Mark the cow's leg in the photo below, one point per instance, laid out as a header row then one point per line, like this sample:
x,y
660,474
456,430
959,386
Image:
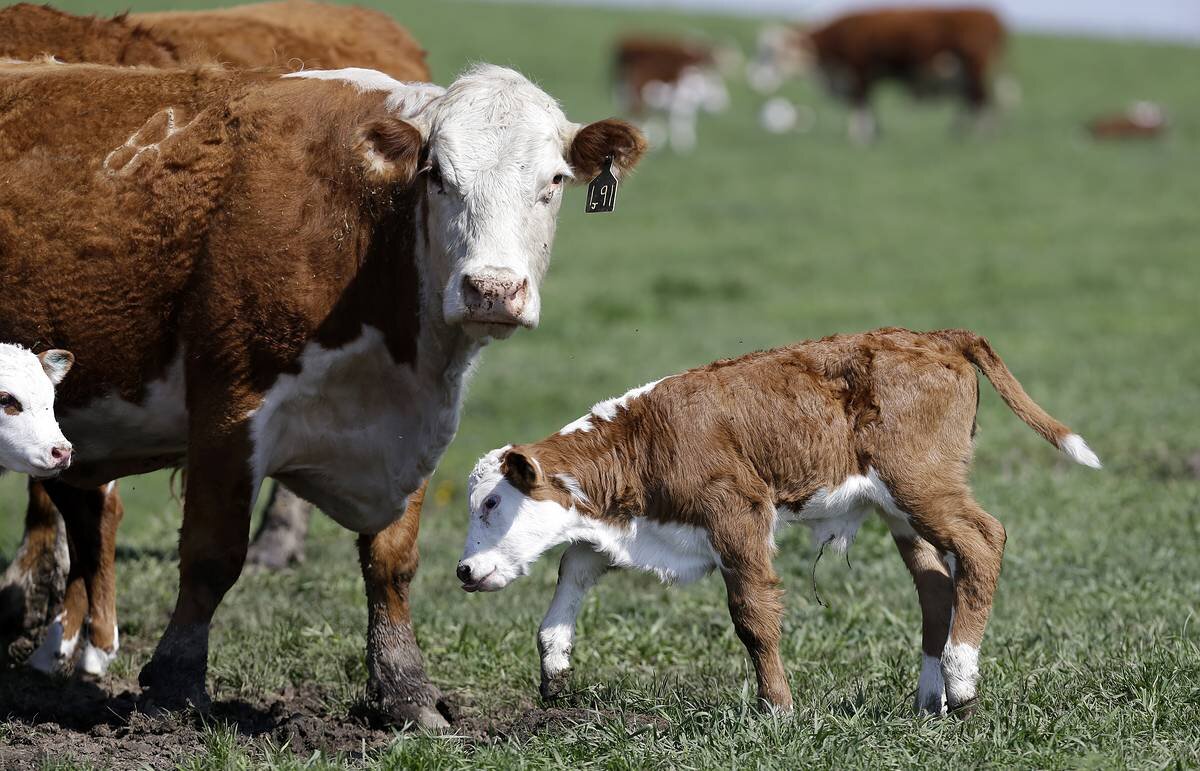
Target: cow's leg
x,y
212,550
397,685
89,608
34,584
973,542
935,592
280,539
746,553
578,571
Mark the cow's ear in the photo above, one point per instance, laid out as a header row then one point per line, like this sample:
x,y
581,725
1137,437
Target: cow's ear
x,y
522,470
390,150
56,363
597,141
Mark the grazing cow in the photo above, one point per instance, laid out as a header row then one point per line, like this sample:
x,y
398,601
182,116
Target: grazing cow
x,y
932,51
1143,120
660,79
292,33
312,264
30,439
697,472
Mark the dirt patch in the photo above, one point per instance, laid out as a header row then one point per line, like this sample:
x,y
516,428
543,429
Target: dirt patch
x,y
43,719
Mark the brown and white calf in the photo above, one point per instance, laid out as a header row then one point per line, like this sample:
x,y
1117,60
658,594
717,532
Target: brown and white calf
x,y
931,51
315,262
697,471
666,83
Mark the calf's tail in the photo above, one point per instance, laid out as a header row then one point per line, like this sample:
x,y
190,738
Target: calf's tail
x,y
978,352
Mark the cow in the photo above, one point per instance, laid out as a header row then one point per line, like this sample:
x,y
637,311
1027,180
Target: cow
x,y
30,440
309,266
932,51
292,34
1142,120
666,80
696,472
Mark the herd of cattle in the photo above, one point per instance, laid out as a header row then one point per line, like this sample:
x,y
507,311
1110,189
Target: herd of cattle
x,y
314,243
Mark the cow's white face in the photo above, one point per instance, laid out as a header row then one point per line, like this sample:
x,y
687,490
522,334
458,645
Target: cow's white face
x,y
495,152
499,153
30,439
508,529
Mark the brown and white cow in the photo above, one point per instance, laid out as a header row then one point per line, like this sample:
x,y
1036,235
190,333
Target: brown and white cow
x,y
292,34
696,472
666,83
308,266
932,51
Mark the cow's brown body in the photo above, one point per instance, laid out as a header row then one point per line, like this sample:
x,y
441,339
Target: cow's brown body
x,y
639,61
291,35
294,34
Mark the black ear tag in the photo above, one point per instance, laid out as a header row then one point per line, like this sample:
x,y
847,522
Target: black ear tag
x,y
602,191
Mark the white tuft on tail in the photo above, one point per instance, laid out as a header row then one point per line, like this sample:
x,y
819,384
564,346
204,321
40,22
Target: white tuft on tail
x,y
1078,450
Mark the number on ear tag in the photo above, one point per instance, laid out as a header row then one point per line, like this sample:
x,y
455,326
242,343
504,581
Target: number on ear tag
x,y
602,191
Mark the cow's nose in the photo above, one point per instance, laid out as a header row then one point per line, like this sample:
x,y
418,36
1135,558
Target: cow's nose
x,y
495,297
61,455
463,572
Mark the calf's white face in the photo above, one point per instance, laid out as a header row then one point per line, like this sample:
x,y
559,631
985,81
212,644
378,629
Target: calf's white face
x,y
508,530
30,439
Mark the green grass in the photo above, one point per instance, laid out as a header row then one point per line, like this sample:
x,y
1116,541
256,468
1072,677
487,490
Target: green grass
x,y
1079,261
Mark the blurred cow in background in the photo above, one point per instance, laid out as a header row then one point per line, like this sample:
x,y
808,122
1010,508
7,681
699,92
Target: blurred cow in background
x,y
1143,120
665,83
934,52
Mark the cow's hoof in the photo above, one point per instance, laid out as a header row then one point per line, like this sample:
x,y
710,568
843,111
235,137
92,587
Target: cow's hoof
x,y
174,677
427,715
554,687
965,709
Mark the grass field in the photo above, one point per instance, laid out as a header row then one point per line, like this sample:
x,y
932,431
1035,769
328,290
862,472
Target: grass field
x,y
1079,261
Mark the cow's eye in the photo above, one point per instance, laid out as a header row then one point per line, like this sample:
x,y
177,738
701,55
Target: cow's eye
x,y
558,179
9,403
492,502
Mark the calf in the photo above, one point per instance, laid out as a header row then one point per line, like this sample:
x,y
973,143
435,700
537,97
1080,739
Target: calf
x,y
663,79
932,51
318,260
30,440
697,472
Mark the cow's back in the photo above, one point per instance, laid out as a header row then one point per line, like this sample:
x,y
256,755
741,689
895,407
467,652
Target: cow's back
x,y
110,177
294,34
28,31
903,37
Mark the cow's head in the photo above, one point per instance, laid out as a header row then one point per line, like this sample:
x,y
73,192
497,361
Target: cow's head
x,y
30,439
495,152
517,513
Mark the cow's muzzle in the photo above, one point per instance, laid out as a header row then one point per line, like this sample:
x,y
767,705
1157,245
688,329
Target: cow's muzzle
x,y
497,297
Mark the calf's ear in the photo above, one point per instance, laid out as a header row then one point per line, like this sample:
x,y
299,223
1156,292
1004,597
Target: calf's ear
x,y
56,363
597,141
522,470
390,150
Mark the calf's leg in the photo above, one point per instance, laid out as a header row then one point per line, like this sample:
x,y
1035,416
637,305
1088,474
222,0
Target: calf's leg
x,y
973,541
746,552
935,592
397,685
578,571
34,584
89,607
212,550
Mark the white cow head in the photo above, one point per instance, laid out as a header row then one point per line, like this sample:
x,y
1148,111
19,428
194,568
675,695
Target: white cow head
x,y
30,439
495,152
517,513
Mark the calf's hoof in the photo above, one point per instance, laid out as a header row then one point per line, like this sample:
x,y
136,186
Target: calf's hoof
x,y
554,686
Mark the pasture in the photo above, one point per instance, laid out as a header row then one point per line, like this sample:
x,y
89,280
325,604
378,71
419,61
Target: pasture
x,y
1077,260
